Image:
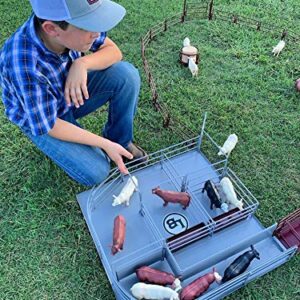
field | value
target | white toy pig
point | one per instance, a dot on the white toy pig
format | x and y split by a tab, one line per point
153	292
229	145
229	192
126	192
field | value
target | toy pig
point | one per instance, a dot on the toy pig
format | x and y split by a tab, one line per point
150	275
229	145
119	234
213	195
153	292
126	192
278	48
175	197
297	84
229	192
199	286
240	264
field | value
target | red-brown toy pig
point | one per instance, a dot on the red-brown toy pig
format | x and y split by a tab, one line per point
174	197
297	85
119	234
154	276
199	286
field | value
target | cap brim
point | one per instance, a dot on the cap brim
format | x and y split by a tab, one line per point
102	19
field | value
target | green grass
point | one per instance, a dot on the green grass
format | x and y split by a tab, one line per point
46	251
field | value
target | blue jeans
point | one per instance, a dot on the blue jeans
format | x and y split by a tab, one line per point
119	85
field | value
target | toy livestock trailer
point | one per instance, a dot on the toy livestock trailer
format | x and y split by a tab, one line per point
188	243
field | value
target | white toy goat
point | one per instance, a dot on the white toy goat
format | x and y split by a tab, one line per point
186	42
229	193
193	67
126	192
153	292
228	145
278	48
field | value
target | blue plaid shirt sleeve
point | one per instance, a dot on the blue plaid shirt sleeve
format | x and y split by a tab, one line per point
39	104
98	42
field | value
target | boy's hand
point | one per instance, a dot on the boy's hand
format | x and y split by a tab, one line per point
115	152
76	84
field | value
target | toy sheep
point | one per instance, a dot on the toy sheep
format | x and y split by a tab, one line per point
229	193
228	145
153	292
126	192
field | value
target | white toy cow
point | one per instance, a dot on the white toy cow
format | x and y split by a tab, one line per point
153	292
127	191
228	145
229	193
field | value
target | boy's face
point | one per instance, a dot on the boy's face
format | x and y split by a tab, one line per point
76	39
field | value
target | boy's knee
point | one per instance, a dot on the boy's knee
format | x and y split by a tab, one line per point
127	74
96	175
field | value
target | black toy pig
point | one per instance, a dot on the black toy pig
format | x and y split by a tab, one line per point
240	264
213	195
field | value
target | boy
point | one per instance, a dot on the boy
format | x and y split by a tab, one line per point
48	84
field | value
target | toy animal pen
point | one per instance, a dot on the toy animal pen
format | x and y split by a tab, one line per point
191	242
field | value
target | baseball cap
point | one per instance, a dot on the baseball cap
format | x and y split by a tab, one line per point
91	15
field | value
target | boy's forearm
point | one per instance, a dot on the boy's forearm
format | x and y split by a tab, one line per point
103	58
69	132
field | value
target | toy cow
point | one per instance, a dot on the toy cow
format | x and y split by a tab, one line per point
150	275
142	290
175	197
213	195
229	193
119	234
240	264
199	286
126	192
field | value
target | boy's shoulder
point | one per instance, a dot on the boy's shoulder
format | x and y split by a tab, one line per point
17	45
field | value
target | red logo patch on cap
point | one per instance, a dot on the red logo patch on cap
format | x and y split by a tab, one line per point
90	2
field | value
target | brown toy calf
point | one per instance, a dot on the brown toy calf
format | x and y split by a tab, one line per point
175	197
119	234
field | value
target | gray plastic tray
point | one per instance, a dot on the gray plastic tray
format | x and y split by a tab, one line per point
150	240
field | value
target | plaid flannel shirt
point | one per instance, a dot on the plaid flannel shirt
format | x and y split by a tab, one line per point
33	79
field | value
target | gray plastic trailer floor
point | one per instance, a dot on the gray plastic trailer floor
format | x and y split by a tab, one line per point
152	229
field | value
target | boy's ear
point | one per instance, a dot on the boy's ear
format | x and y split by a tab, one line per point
50	28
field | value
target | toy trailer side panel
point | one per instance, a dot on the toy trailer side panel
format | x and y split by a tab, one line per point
235	284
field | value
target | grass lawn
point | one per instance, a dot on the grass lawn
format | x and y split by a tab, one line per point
46	251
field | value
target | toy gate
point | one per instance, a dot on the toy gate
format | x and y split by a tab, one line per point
187	243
